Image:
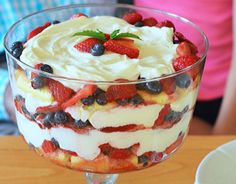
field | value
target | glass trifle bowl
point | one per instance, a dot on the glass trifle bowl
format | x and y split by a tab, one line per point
102	94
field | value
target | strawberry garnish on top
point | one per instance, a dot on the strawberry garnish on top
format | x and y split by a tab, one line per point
116	42
38	30
86	45
121	91
59	91
122	47
184	61
132	17
166	23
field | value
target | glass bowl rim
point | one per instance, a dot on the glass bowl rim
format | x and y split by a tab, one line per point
115	5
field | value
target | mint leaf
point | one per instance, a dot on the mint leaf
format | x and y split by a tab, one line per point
114	34
94	34
123	35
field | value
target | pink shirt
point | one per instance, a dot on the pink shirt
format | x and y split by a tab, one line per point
215	19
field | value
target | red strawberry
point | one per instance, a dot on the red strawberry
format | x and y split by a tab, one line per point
120	153
132	17
38	30
149	22
107	36
77	15
48	146
122	47
83	93
19	102
124	128
168	85
161	117
121	91
174	145
184	61
59	91
166	23
49	108
86	45
180	36
183	49
37	66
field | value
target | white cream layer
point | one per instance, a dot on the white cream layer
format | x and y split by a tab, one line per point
87	145
55	46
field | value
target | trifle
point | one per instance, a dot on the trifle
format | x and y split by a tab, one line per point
105	94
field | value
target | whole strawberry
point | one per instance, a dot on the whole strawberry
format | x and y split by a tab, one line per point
184	61
132	17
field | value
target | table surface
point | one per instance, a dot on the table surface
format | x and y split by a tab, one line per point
19	165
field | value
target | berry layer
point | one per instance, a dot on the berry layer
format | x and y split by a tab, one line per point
87	145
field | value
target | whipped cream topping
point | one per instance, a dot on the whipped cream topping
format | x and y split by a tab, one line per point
55	46
87	145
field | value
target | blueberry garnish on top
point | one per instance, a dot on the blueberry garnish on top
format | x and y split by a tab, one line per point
16	49
97	49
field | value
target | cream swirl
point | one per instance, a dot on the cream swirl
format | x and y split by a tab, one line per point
55	46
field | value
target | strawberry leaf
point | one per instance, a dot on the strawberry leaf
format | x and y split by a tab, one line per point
123	35
114	34
94	34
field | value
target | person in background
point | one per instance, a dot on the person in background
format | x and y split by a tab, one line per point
10	12
216	106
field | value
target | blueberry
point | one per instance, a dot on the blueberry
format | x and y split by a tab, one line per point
15	45
138	24
60	117
88	101
17	52
153	87
48	119
101	99
55	142
123	102
37	82
98	91
46	68
56	22
173	116
141	86
183	80
137	99
81	124
97	50
143	159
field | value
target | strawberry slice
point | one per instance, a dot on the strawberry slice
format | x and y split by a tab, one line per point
107	36
132	17
168	85
183	49
49	108
75	16
149	22
124	128
184	61
115	92
161	117
59	91
166	23
116	153
174	145
38	30
19	102
82	93
37	66
86	45
48	146
123	47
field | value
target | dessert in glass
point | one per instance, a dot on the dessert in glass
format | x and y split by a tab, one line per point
105	92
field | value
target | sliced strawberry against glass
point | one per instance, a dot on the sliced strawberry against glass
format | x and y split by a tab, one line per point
48	146
161	116
121	91
149	22
60	92
132	17
75	16
184	61
38	30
